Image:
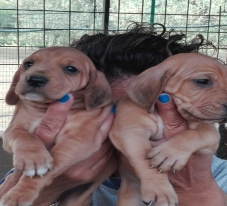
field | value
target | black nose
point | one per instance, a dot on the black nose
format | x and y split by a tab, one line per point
37	81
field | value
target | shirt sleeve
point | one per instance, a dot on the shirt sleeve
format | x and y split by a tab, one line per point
219	171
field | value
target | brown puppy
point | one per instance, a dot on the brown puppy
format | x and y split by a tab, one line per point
44	77
197	84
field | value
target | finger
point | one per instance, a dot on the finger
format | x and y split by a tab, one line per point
102	162
106	126
173	121
53	120
104	153
10	181
85	165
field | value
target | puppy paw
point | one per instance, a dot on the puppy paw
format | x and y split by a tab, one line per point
166	157
33	162
162	194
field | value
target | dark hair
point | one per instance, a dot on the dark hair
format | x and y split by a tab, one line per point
135	50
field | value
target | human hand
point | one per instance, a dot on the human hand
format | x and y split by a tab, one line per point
194	184
10	181
172	120
47	130
76	175
81	173
53	120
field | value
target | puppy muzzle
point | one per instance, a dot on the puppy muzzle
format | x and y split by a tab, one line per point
36	81
33	88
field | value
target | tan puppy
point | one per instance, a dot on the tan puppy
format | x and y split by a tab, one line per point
197	84
44	77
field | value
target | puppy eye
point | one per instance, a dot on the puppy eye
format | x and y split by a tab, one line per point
27	64
70	70
203	82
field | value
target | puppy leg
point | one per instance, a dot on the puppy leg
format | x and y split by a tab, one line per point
65	154
134	144
29	153
175	153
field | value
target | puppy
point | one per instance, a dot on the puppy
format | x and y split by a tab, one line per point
44	77
197	84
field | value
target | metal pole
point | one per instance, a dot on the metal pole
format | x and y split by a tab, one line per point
106	15
152	11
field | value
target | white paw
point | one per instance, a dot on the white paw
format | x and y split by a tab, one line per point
40	171
31	163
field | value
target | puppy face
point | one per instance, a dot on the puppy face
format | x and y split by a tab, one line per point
199	88
50	73
196	82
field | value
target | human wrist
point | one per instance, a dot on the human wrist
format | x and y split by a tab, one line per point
195	185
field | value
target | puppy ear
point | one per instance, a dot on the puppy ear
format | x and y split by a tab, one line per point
145	88
98	92
11	97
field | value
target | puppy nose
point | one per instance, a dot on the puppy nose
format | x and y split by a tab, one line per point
37	81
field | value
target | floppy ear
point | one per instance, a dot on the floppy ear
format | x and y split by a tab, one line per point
98	92
11	97
145	89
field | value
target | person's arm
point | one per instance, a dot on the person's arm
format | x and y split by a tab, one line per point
75	176
194	184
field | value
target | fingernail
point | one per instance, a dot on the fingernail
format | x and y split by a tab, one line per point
113	110
64	99
164	98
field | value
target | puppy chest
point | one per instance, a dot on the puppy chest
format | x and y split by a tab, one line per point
34	125
26	121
